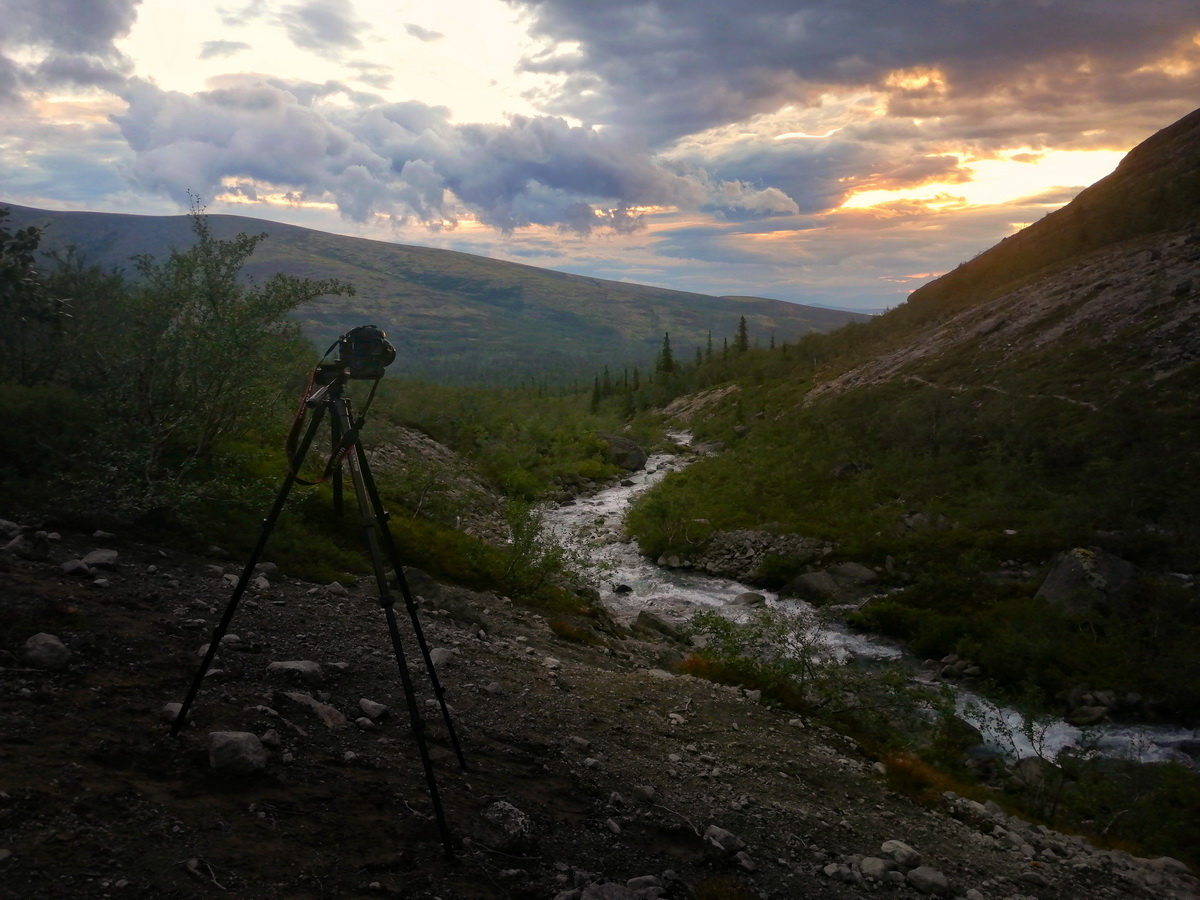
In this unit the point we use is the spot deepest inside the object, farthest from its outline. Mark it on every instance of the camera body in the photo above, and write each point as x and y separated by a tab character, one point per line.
364	352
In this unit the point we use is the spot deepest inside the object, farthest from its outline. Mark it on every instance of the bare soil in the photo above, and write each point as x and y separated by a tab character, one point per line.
619	767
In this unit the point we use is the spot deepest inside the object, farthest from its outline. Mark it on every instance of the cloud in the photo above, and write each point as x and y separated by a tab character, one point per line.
669	70
250	12
327	27
211	49
63	43
372	73
423	34
326	142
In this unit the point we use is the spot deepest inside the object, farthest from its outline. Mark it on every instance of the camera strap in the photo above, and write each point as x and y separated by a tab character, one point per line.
345	441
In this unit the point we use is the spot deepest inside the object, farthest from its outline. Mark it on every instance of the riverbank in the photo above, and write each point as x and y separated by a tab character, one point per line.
592	772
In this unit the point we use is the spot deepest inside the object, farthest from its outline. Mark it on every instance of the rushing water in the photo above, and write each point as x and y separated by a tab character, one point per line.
594	528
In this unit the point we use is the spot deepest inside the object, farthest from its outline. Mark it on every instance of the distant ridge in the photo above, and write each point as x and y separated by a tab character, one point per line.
455	316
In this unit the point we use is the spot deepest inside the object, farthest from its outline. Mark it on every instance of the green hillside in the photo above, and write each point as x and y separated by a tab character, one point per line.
1040	398
453	316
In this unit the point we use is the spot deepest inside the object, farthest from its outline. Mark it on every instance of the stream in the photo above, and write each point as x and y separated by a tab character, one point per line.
593	527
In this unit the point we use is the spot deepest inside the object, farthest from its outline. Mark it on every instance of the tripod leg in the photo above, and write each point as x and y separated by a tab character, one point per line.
381	517
247	573
370	526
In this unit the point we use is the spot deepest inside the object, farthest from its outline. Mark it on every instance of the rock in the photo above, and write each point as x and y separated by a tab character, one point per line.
1032	771
421	584
372	709
1087	578
269	571
853	574
929	880
76	568
905	856
818	588
298	670
504	828
327	714
874	867
1087	715
648	623
31	545
723	840
102	559
45	651
749	598
236	752
442	657
624	452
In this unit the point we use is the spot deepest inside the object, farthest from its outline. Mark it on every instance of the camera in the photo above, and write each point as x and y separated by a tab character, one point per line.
364	352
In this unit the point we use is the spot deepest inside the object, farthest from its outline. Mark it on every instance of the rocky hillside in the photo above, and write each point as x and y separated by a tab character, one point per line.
592	771
1115	274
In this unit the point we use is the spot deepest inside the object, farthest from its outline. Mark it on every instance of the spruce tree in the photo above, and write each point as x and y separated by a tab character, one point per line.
666	360
742	342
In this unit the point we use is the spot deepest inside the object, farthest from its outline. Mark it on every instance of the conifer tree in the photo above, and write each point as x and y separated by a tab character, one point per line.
666	360
742	342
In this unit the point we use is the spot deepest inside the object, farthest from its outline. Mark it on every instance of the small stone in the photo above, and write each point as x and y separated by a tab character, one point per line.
723	840
443	657
372	709
303	670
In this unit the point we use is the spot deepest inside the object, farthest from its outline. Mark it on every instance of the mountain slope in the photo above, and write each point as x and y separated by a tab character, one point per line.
453	315
1037	401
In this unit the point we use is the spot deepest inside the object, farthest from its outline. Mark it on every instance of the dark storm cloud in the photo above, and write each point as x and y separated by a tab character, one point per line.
327	27
74	39
212	49
667	69
407	159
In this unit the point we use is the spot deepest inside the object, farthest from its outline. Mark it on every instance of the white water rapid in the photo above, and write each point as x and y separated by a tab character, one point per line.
593	527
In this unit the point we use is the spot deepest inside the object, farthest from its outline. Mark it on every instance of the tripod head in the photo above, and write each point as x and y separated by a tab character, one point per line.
363	353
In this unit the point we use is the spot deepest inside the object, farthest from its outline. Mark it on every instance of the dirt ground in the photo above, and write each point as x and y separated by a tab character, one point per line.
608	770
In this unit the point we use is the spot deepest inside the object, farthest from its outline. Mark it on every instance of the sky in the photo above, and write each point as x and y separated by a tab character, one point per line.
833	152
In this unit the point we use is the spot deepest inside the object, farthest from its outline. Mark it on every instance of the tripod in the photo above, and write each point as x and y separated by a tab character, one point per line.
330	398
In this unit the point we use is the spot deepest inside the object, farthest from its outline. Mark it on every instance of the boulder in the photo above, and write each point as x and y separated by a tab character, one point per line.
818	588
1087	578
624	452
654	625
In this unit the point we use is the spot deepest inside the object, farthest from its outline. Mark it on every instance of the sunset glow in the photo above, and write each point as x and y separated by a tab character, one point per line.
707	147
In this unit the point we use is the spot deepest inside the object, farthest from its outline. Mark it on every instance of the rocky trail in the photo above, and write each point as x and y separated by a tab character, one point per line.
593	772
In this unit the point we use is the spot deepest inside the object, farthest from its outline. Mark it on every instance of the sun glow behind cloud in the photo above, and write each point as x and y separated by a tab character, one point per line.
1016	175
